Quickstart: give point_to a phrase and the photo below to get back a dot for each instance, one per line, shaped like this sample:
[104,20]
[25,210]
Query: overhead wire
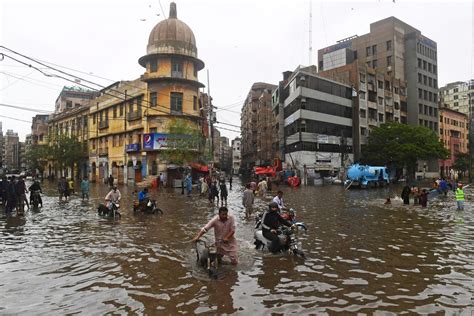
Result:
[25,108]
[88,81]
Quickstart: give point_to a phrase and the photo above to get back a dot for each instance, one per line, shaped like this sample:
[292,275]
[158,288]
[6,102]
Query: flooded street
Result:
[361,257]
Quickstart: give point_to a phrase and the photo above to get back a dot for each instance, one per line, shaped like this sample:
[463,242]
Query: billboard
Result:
[157,141]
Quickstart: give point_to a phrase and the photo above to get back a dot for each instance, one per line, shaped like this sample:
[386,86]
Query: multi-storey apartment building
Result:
[256,126]
[39,129]
[317,123]
[453,133]
[457,96]
[377,99]
[236,160]
[11,150]
[401,53]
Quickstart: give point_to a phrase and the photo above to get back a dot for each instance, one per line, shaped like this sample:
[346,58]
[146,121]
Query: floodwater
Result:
[362,257]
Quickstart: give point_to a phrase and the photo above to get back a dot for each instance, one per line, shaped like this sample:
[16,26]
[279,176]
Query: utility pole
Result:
[310,32]
[211,119]
[125,163]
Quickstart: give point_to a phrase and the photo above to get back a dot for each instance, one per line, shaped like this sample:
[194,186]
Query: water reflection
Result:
[362,256]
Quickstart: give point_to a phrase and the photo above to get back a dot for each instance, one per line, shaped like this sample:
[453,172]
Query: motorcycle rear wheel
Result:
[298,252]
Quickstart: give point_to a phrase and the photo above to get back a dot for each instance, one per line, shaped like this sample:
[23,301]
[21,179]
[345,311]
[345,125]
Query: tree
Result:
[461,162]
[183,143]
[66,151]
[402,145]
[37,157]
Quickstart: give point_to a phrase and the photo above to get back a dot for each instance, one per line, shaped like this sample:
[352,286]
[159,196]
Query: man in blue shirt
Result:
[143,195]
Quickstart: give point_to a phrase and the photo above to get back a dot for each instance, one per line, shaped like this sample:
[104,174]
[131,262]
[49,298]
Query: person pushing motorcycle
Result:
[271,221]
[35,188]
[113,196]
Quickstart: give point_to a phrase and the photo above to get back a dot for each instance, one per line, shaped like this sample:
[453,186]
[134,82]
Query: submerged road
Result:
[362,257]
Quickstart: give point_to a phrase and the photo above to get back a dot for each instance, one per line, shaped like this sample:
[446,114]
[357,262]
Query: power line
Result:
[93,83]
[14,118]
[24,108]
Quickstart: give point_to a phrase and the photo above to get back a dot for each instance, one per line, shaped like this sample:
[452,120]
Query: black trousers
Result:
[275,245]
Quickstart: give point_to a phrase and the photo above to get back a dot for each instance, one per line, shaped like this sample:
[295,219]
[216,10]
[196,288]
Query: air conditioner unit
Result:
[389,68]
[303,100]
[302,78]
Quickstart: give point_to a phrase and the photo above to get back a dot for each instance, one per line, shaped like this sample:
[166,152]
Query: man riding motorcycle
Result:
[278,199]
[271,221]
[35,188]
[113,197]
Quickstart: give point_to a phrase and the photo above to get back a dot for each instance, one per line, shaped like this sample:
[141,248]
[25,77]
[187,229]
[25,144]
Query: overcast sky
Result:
[241,42]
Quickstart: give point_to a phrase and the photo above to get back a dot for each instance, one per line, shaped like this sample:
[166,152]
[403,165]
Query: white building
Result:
[236,157]
[457,95]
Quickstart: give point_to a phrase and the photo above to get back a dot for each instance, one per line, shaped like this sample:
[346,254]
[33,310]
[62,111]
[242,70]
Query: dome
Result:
[172,36]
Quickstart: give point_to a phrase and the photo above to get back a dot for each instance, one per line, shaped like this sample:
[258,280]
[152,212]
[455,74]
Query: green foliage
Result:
[37,157]
[184,143]
[461,162]
[402,145]
[66,151]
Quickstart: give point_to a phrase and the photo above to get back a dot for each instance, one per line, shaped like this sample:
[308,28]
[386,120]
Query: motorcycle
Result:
[207,257]
[35,199]
[288,239]
[290,216]
[112,211]
[148,207]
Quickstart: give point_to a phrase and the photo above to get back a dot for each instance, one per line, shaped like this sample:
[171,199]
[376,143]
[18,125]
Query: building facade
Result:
[70,122]
[11,150]
[226,155]
[400,52]
[317,123]
[457,96]
[39,129]
[278,97]
[257,125]
[453,133]
[236,160]
[377,99]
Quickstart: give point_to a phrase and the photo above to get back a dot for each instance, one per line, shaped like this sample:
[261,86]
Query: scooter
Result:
[149,207]
[111,211]
[35,199]
[288,239]
[207,257]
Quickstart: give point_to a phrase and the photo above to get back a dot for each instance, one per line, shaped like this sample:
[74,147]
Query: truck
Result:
[365,176]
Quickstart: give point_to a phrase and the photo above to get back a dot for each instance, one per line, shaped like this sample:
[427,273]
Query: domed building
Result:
[171,76]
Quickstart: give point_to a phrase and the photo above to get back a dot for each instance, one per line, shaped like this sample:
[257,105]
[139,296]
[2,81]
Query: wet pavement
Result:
[362,257]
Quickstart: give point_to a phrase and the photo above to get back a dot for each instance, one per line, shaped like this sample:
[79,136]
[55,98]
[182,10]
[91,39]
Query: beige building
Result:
[39,129]
[257,126]
[457,96]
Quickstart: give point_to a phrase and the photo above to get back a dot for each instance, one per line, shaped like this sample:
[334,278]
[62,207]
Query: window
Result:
[396,90]
[456,104]
[176,102]
[435,83]
[420,108]
[430,96]
[94,118]
[430,111]
[362,78]
[430,81]
[389,60]
[425,94]
[380,118]
[195,70]
[429,67]
[176,68]
[374,63]
[420,93]
[115,111]
[121,109]
[425,110]
[435,69]
[456,97]
[121,137]
[153,99]
[419,62]
[380,101]
[139,104]
[380,84]
[362,95]
[153,65]
[367,51]
[387,85]
[389,45]
[195,103]
[130,106]
[374,49]
[369,64]
[425,80]
[424,64]
[420,78]
[363,113]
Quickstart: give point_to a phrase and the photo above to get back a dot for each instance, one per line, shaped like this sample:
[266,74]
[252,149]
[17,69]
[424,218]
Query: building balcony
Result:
[176,74]
[372,105]
[103,151]
[135,115]
[373,121]
[104,124]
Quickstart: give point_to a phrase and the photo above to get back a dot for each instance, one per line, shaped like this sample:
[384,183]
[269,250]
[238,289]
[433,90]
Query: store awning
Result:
[199,167]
